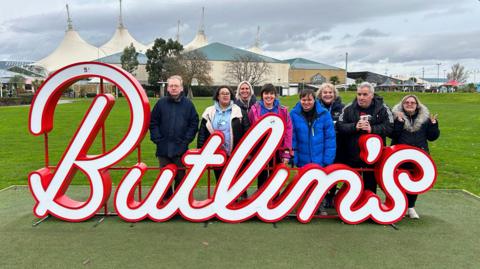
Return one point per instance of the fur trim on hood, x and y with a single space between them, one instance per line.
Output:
422 112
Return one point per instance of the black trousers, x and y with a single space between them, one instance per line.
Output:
263 176
369 182
218 172
411 198
177 160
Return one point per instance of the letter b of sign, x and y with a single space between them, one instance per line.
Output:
49 187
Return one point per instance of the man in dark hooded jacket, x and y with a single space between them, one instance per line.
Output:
173 126
367 114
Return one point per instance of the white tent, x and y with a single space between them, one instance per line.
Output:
72 49
200 40
121 39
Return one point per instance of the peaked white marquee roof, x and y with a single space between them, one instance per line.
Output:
256 46
200 40
120 40
72 49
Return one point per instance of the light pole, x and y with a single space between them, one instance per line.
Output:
346 70
475 76
280 91
438 73
162 91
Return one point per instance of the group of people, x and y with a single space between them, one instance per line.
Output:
320 129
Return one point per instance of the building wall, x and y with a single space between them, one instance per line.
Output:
277 76
296 75
141 73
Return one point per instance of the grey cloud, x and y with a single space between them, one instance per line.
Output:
447 12
283 24
427 47
369 32
362 42
325 38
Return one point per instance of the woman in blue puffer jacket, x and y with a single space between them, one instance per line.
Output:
313 138
313 132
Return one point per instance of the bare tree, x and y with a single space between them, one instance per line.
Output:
458 73
247 67
190 65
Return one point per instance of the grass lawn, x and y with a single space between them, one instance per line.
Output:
456 153
446 236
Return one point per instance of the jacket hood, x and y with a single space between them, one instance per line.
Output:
336 103
318 107
276 104
422 114
218 108
237 94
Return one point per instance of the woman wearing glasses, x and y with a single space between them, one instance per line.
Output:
226 117
414 126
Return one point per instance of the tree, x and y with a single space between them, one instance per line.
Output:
190 65
458 73
129 59
36 84
247 67
157 56
16 82
334 80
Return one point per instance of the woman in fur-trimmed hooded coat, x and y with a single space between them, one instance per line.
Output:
413 126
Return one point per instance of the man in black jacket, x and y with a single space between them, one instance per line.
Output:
173 126
367 114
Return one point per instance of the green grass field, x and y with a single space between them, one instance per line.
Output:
456 153
446 236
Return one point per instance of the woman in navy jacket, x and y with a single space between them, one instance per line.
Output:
313 137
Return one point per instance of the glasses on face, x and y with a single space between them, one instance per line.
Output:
410 103
173 86
224 93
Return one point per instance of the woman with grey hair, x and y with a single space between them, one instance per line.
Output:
414 126
245 97
331 101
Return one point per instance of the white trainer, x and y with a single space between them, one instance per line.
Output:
412 213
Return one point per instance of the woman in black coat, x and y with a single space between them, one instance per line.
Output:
413 126
331 101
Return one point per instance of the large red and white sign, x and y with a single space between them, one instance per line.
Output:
277 198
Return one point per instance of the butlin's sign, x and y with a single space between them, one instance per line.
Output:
270 203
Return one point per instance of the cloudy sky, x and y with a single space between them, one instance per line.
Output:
394 37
